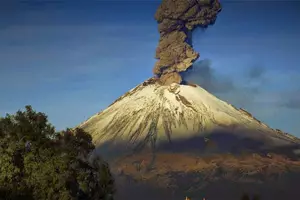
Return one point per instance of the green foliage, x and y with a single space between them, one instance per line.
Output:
38 163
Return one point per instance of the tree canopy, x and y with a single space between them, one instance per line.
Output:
37 162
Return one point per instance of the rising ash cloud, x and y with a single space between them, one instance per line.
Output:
292 100
204 75
241 89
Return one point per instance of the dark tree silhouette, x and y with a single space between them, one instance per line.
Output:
39 163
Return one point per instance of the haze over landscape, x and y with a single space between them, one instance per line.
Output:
71 60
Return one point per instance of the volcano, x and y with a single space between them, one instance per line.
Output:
165 139
153 116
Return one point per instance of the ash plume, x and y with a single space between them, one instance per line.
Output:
176 21
240 89
202 73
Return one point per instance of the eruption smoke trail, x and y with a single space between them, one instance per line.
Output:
176 21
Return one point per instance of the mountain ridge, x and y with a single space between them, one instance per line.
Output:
150 114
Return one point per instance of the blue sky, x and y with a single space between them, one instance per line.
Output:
71 59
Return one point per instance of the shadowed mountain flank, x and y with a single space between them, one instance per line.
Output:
211 143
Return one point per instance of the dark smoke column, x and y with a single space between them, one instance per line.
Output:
176 20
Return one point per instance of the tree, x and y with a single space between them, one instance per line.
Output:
38 163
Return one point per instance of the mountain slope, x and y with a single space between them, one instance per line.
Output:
168 142
150 115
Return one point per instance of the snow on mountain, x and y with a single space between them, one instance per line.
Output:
151 114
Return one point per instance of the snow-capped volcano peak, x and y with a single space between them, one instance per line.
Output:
151 114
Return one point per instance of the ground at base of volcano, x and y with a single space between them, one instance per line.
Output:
177 175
